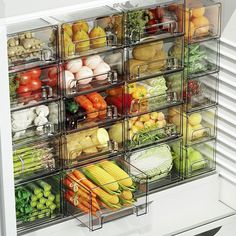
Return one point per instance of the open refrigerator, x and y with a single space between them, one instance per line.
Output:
116 110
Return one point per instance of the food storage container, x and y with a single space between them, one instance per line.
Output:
158 163
151 59
93 143
105 190
202 20
197 158
33 86
155 93
154 127
31 43
93 73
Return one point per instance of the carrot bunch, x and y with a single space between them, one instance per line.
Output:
94 104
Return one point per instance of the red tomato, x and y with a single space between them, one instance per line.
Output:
35 84
52 71
35 73
36 95
52 82
25 78
24 91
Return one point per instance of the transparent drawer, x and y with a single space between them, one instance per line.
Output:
148 60
41 121
202 58
93 73
155 93
93 143
105 190
197 159
38 202
203 20
198 125
201 92
158 163
37 85
94 108
31 43
152 128
150 20
36 159
81 36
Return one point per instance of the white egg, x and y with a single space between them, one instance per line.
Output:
93 61
84 75
102 68
74 66
69 80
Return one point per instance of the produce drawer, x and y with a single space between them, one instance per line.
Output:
152 128
150 20
94 143
202 58
158 163
38 202
93 73
199 125
201 92
202 20
148 60
31 43
37 85
155 93
38 122
105 189
197 159
36 159
81 36
92 109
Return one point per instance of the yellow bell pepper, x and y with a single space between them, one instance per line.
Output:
140 92
131 88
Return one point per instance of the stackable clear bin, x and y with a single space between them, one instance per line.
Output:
34 123
152 128
94 143
31 43
151 59
201 92
197 159
151 20
158 163
38 202
93 203
155 93
37 85
203 19
202 58
93 73
81 36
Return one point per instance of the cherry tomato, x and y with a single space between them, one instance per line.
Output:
35 84
24 91
35 73
25 78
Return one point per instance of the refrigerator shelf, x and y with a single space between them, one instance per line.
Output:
91 202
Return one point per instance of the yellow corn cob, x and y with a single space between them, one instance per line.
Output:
127 194
102 177
103 195
117 173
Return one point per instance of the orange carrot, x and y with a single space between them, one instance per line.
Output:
87 204
70 185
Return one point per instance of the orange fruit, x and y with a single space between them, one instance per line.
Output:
201 25
197 12
189 30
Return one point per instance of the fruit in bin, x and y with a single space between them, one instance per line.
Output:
98 37
139 125
35 84
202 25
158 62
24 91
116 133
74 65
80 25
93 61
88 146
144 52
24 78
161 116
103 68
195 161
144 118
198 131
150 123
68 29
195 119
187 132
84 75
81 40
136 67
154 115
161 123
100 138
69 47
35 73
134 129
198 12
173 111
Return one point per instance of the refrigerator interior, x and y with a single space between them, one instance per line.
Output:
185 209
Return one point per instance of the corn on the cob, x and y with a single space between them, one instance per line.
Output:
127 194
106 197
117 173
101 177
